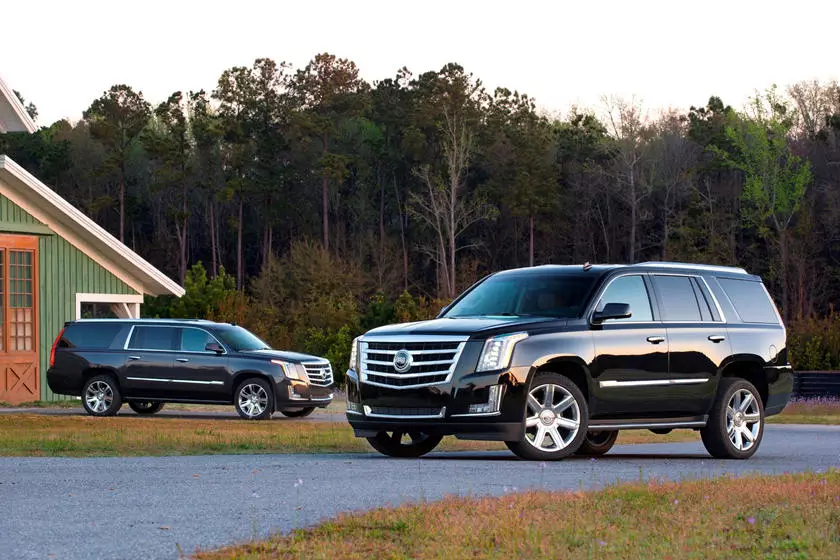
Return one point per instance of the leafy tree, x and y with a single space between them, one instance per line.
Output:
31 109
203 298
775 179
116 119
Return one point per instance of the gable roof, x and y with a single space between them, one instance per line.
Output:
45 205
13 115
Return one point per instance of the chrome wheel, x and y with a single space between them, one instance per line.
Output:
743 419
99 396
253 400
552 420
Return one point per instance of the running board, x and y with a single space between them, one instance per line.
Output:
649 423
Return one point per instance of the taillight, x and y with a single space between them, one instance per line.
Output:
55 344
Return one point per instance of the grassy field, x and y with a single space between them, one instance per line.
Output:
79 436
790 516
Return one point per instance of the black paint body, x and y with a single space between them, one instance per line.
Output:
181 376
591 354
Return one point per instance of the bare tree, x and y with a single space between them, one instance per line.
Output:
626 125
443 205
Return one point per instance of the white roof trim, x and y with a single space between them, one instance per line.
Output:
25 120
86 235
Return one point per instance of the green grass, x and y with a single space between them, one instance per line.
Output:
772 517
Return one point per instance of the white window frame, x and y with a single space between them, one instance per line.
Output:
125 306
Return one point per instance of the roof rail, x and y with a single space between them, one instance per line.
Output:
709 267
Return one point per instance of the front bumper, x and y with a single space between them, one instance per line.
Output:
294 393
442 409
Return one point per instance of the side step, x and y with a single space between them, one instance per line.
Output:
607 425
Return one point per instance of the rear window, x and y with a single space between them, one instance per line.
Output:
89 335
750 300
679 302
154 338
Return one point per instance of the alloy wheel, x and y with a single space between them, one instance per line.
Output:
253 399
99 396
743 419
553 418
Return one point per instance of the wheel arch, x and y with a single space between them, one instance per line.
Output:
241 376
570 366
750 368
99 370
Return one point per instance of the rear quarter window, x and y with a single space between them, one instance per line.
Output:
750 300
89 335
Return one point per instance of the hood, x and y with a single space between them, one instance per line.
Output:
466 326
292 357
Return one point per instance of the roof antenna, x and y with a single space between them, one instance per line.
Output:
587 265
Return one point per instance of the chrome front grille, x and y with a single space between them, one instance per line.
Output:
432 360
319 374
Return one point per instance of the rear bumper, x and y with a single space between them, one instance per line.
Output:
779 388
442 409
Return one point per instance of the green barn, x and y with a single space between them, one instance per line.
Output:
55 262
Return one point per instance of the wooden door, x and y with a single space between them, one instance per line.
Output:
20 379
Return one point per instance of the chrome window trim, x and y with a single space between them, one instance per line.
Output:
597 300
371 414
165 326
612 383
176 380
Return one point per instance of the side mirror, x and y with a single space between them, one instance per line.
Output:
612 311
214 347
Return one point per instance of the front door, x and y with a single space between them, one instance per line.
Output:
19 370
199 374
631 355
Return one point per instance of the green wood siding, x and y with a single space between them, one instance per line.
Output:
63 272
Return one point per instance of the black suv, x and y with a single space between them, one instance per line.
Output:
555 360
148 362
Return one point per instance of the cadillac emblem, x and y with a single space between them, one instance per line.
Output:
402 361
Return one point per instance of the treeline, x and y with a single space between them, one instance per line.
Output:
424 183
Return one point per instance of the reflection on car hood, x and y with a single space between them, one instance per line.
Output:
465 326
293 357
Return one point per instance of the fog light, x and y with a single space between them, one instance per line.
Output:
493 404
354 407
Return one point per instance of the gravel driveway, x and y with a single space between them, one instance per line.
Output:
152 507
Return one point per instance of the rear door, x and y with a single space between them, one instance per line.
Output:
697 339
149 357
631 355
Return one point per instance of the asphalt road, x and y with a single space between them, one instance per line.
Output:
153 507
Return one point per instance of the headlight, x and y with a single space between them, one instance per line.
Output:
292 371
498 351
354 354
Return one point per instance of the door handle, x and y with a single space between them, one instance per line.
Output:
182 360
132 358
717 338
655 339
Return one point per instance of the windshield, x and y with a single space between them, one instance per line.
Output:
522 295
241 340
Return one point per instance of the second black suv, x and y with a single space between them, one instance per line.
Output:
555 360
149 362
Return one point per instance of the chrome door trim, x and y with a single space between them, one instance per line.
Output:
612 383
156 379
645 425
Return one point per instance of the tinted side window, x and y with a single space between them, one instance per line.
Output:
679 302
632 290
153 338
89 335
195 340
750 300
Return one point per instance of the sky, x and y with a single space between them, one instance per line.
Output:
668 54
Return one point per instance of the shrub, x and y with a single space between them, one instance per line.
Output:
814 344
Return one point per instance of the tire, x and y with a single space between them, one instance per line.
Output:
297 412
145 407
254 399
736 422
393 444
101 396
596 444
555 409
